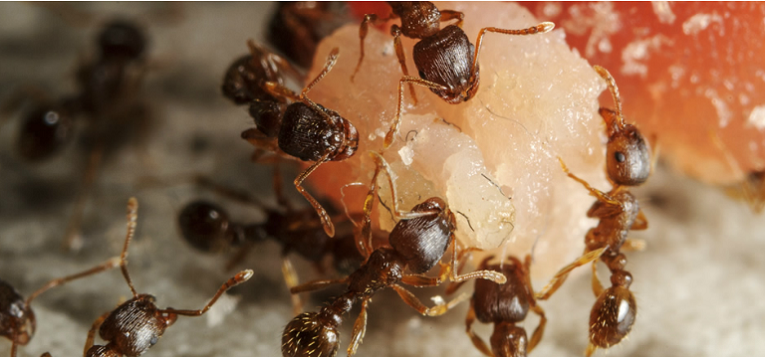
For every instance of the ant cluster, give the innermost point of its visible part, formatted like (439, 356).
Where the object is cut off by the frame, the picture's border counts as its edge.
(290, 125)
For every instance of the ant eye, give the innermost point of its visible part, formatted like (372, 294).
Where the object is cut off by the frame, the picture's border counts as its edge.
(619, 156)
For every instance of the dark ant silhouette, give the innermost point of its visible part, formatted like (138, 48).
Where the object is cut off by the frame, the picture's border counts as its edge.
(304, 130)
(418, 242)
(17, 319)
(105, 98)
(628, 164)
(297, 27)
(446, 60)
(504, 305)
(137, 324)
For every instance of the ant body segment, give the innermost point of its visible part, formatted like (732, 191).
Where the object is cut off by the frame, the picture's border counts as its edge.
(137, 324)
(628, 164)
(417, 242)
(304, 130)
(446, 61)
(504, 305)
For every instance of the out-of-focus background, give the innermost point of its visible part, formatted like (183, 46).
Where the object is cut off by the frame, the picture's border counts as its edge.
(698, 284)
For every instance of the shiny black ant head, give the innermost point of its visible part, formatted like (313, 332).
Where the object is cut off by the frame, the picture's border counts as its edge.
(447, 59)
(43, 132)
(311, 334)
(422, 241)
(206, 226)
(121, 40)
(17, 321)
(628, 156)
(240, 80)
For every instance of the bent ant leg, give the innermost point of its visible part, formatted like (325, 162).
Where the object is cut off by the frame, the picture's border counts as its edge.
(237, 279)
(316, 285)
(399, 46)
(600, 195)
(447, 15)
(541, 28)
(363, 31)
(92, 333)
(491, 275)
(597, 287)
(359, 328)
(416, 304)
(540, 330)
(329, 228)
(412, 80)
(561, 275)
(291, 278)
(477, 341)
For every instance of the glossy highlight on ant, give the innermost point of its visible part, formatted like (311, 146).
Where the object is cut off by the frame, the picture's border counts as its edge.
(304, 130)
(504, 305)
(446, 61)
(137, 324)
(628, 164)
(417, 243)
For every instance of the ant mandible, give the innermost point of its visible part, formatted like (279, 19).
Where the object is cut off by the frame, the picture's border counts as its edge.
(446, 60)
(304, 130)
(417, 242)
(628, 164)
(137, 324)
(504, 305)
(17, 319)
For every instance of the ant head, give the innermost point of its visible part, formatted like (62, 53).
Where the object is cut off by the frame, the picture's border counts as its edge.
(612, 316)
(422, 241)
(205, 226)
(121, 40)
(44, 131)
(240, 78)
(310, 334)
(17, 320)
(628, 156)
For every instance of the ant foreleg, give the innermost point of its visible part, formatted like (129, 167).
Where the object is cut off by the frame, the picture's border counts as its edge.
(237, 279)
(416, 304)
(540, 330)
(447, 15)
(329, 228)
(291, 278)
(561, 275)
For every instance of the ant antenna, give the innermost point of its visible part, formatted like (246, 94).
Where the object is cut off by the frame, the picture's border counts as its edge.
(342, 200)
(132, 216)
(614, 92)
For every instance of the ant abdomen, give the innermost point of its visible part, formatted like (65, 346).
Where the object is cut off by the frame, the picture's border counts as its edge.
(430, 57)
(207, 227)
(422, 241)
(43, 132)
(509, 340)
(317, 328)
(307, 135)
(612, 316)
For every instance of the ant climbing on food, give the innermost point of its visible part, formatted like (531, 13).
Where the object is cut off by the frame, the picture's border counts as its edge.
(106, 100)
(628, 164)
(445, 59)
(504, 305)
(137, 324)
(304, 130)
(17, 319)
(417, 242)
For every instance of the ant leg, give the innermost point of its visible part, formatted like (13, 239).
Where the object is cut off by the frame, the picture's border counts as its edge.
(420, 280)
(237, 279)
(539, 331)
(14, 345)
(382, 164)
(477, 341)
(92, 333)
(395, 31)
(363, 31)
(412, 80)
(132, 217)
(561, 275)
(600, 195)
(260, 141)
(447, 15)
(641, 222)
(329, 228)
(590, 349)
(291, 278)
(597, 287)
(541, 28)
(243, 251)
(359, 328)
(416, 304)
(494, 276)
(633, 245)
(316, 285)
(72, 238)
(109, 264)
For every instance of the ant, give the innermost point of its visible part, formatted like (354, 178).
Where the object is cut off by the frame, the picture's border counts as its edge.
(137, 324)
(104, 96)
(17, 319)
(504, 305)
(628, 164)
(304, 130)
(445, 59)
(297, 27)
(417, 242)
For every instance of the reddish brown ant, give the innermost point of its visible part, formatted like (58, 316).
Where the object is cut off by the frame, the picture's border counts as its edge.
(628, 164)
(418, 242)
(304, 130)
(137, 324)
(504, 305)
(17, 319)
(446, 60)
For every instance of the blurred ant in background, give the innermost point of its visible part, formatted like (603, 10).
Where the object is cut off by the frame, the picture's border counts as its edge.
(446, 60)
(752, 188)
(628, 164)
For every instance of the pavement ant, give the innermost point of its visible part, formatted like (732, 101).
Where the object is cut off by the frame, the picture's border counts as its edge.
(297, 27)
(628, 164)
(446, 60)
(304, 130)
(137, 324)
(504, 305)
(417, 242)
(17, 319)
